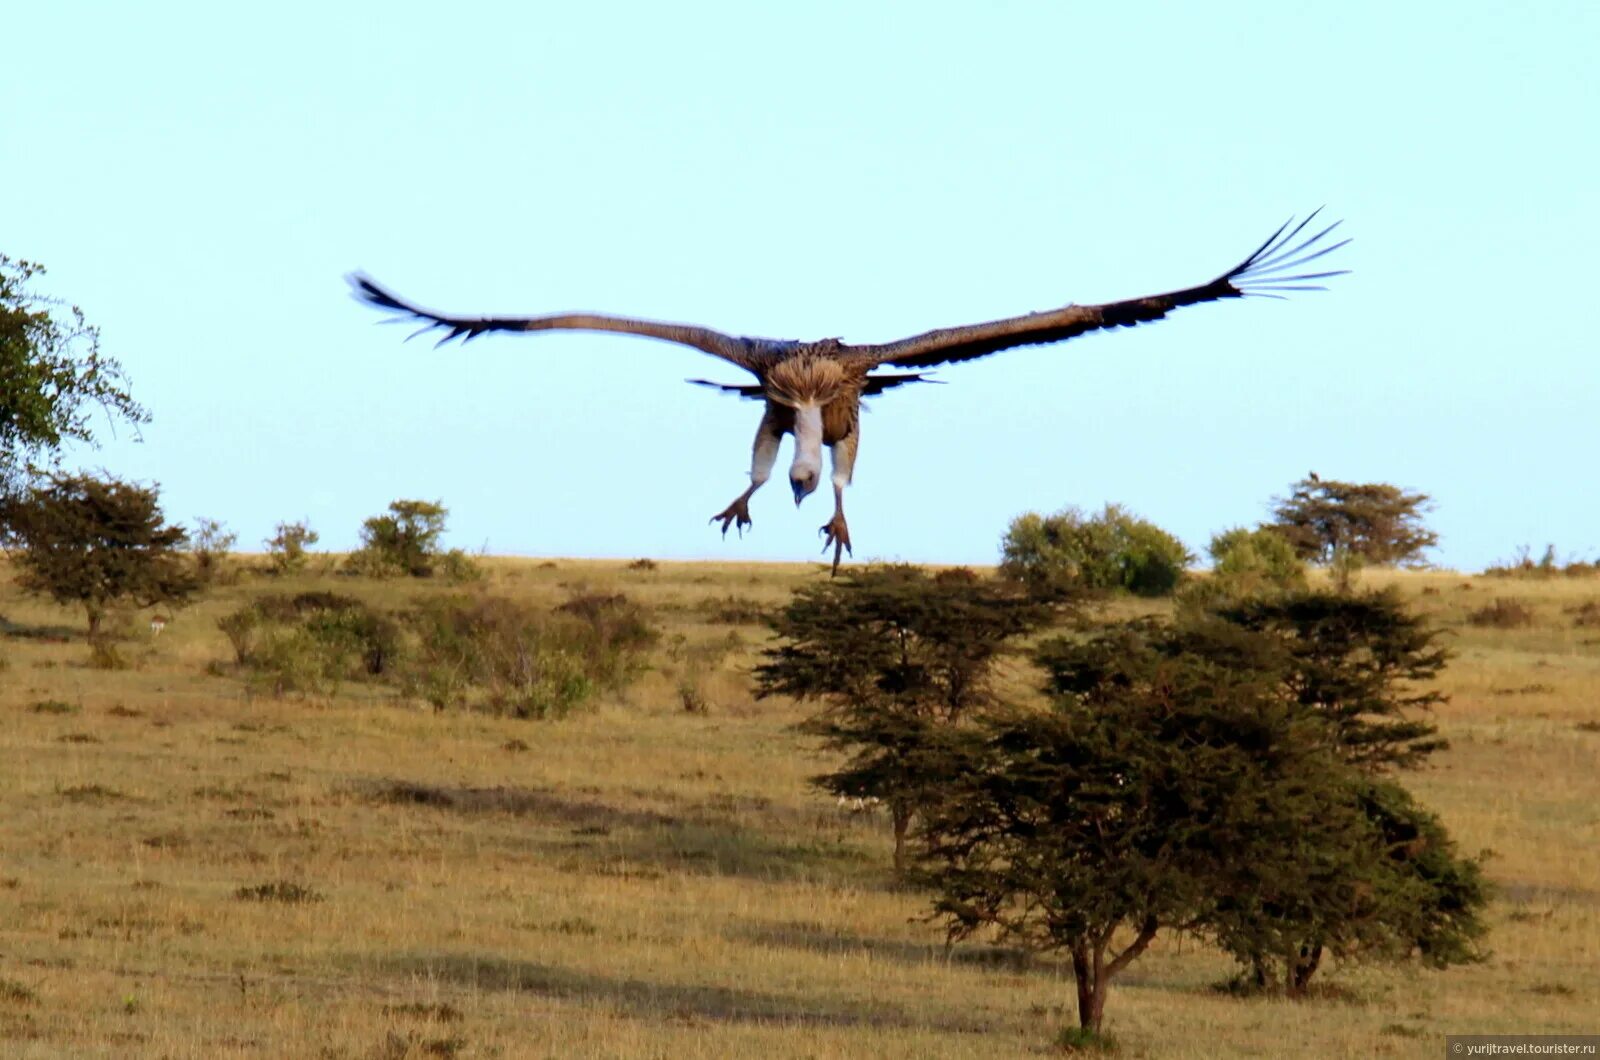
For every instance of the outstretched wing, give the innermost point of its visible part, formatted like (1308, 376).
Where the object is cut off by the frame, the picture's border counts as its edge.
(746, 353)
(1275, 266)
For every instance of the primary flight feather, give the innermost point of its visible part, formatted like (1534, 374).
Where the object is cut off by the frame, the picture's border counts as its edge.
(813, 390)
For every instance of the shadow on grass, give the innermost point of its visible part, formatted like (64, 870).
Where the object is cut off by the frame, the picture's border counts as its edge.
(49, 634)
(606, 840)
(820, 938)
(647, 999)
(1520, 893)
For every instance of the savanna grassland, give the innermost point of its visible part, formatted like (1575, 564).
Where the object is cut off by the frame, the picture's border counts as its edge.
(191, 867)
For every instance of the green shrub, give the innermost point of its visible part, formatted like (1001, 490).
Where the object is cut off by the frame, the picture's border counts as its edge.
(506, 657)
(292, 660)
(209, 544)
(310, 641)
(1070, 552)
(1248, 563)
(286, 548)
(459, 568)
(1548, 565)
(240, 628)
(403, 542)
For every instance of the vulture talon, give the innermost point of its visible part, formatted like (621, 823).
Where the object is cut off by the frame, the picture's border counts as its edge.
(736, 515)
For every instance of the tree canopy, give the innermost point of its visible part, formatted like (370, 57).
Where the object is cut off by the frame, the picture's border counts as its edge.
(52, 375)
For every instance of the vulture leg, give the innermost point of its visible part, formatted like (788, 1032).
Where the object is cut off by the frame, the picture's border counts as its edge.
(765, 454)
(836, 532)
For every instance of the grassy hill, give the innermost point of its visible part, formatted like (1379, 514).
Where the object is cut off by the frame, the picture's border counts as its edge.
(191, 868)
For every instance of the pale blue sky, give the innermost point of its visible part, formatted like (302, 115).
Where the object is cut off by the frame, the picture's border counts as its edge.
(199, 179)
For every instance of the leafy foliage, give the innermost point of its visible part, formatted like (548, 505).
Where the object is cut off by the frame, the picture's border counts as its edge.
(892, 651)
(52, 375)
(97, 543)
(1069, 552)
(1397, 890)
(1249, 563)
(1360, 661)
(405, 541)
(210, 544)
(1365, 874)
(286, 548)
(1122, 808)
(311, 641)
(494, 654)
(1347, 524)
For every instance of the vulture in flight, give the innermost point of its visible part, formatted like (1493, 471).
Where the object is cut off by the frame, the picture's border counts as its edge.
(813, 390)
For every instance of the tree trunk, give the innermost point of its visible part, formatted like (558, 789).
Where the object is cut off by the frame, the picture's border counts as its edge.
(94, 620)
(902, 824)
(1094, 973)
(1091, 988)
(1303, 968)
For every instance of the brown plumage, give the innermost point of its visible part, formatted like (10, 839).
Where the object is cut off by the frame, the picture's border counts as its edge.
(813, 390)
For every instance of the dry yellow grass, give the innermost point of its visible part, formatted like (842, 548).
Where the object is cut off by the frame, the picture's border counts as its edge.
(638, 881)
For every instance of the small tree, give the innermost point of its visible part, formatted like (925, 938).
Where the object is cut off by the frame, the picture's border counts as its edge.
(892, 651)
(1071, 552)
(52, 375)
(1095, 825)
(286, 548)
(1346, 525)
(210, 544)
(98, 542)
(406, 540)
(1373, 870)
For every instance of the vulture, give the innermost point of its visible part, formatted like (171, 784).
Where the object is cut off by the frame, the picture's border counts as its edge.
(813, 390)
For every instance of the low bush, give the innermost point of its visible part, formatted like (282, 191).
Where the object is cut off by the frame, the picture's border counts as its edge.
(736, 611)
(1504, 613)
(310, 641)
(210, 543)
(403, 542)
(1070, 552)
(286, 548)
(1548, 565)
(506, 657)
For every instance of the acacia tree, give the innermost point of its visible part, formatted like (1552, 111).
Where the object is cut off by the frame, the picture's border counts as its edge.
(97, 542)
(1376, 877)
(52, 375)
(1346, 525)
(893, 652)
(1118, 814)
